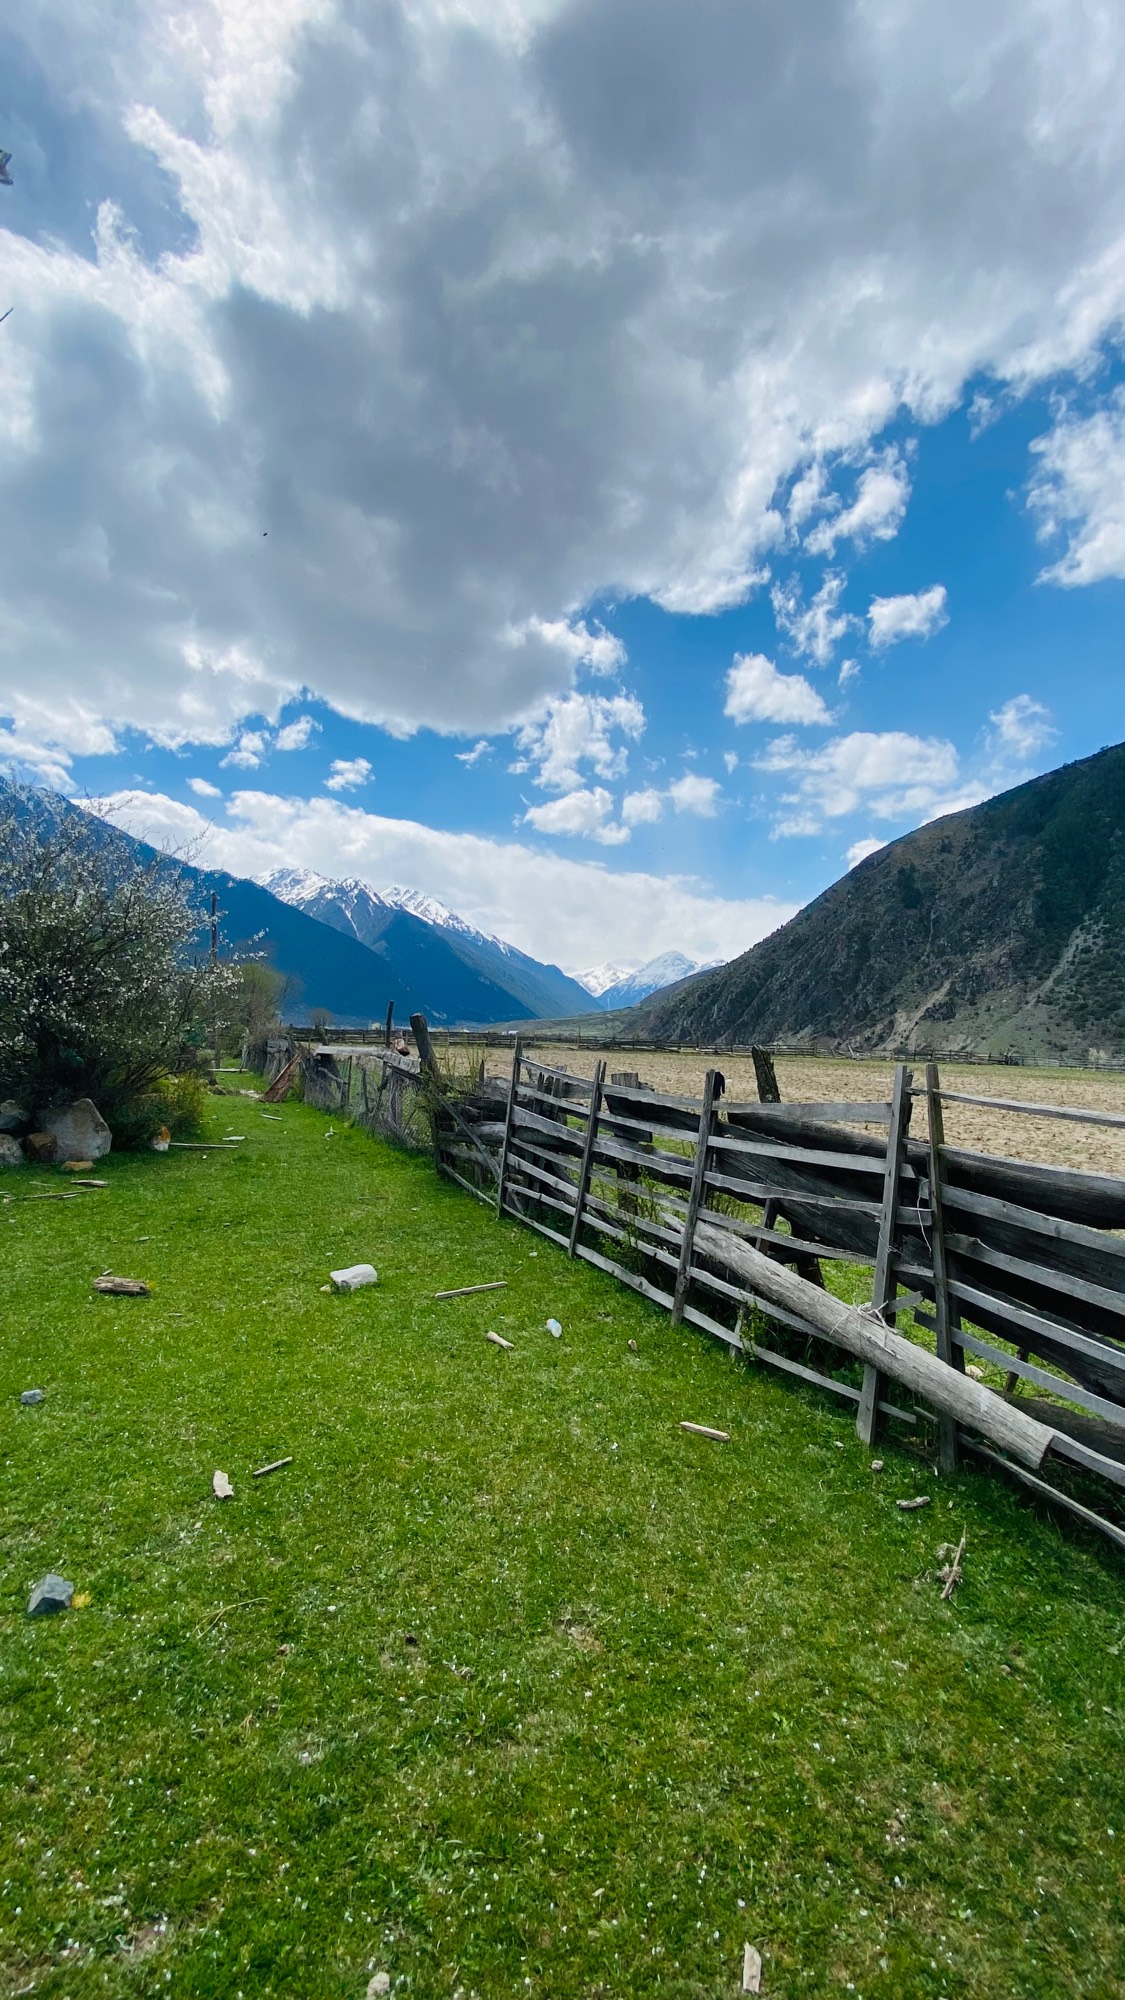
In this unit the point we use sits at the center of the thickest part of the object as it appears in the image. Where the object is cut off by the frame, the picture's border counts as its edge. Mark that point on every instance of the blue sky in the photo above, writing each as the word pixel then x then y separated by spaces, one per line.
pixel 607 467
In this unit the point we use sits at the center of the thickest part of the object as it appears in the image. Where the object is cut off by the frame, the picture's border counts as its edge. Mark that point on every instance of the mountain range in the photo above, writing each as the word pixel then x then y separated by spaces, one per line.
pixel 613 986
pixel 352 952
pixel 998 930
pixel 482 977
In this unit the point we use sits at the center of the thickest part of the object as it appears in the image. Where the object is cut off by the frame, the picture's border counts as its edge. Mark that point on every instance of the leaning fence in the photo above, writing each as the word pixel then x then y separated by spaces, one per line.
pixel 1010 1268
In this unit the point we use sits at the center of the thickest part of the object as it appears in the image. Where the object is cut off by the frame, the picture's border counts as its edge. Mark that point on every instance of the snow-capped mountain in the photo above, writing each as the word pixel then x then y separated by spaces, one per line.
pixel 665 970
pixel 432 912
pixel 599 978
pixel 471 976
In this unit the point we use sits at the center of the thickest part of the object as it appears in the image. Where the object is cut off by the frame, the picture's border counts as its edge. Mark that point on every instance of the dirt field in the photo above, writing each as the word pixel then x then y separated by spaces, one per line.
pixel 824 1079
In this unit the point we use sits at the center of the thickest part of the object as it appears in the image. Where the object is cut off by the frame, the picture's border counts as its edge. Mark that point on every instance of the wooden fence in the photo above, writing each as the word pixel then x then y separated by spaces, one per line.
pixel 1013 1269
pixel 1007 1264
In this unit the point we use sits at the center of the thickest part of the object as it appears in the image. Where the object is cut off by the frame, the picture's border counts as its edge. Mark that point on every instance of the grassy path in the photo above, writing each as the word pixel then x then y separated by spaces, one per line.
pixel 522 1690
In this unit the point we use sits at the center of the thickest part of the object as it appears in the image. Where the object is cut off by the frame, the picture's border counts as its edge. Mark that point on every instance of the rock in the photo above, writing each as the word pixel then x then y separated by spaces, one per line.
pixel 80 1131
pixel 78 1166
pixel 28 1397
pixel 354 1276
pixel 121 1288
pixel 11 1152
pixel 381 1983
pixel 51 1593
pixel 554 1329
pixel 221 1487
pixel 13 1115
pixel 41 1148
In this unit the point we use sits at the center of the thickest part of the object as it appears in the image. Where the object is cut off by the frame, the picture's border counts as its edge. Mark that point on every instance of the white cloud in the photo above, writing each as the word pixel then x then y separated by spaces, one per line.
pixel 348 773
pixel 25 755
pixel 816 628
pixel 1078 490
pixel 891 773
pixel 730 760
pixel 248 751
pixel 561 910
pixel 203 789
pixel 809 495
pixel 849 671
pixel 473 756
pixel 642 808
pixel 576 729
pixel 587 811
pixel 692 794
pixel 860 849
pixel 628 271
pixel 875 514
pixel 757 692
pixel 296 735
pixel 915 615
pixel 1023 726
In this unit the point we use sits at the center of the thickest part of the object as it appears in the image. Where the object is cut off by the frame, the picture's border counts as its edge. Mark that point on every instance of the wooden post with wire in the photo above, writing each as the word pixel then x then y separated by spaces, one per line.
pixel 946 1317
pixel 886 1279
pixel 713 1089
pixel 517 1062
pixel 583 1187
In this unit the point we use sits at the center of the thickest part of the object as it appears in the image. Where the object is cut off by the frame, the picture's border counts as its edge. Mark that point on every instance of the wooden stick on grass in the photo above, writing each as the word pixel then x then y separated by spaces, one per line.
pixel 275 1466
pixel 464 1291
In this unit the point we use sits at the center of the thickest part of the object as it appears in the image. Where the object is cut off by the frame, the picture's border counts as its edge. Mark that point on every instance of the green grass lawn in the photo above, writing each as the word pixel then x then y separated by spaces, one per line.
pixel 506 1685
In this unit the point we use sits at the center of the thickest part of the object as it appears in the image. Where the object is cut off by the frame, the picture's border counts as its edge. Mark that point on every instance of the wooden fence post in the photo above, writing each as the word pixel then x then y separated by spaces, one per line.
pixel 765 1076
pixel 886 1281
pixel 947 1320
pixel 587 1157
pixel 517 1059
pixel 712 1089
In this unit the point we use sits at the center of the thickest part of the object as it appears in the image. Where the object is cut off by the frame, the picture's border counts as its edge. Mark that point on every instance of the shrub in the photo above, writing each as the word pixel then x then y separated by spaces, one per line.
pixel 99 993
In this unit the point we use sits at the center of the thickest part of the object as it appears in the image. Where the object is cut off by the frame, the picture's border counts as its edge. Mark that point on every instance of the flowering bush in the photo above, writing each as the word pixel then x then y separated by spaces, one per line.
pixel 100 995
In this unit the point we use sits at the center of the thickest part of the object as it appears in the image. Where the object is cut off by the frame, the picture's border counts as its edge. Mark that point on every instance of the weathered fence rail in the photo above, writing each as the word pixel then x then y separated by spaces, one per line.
pixel 723 1213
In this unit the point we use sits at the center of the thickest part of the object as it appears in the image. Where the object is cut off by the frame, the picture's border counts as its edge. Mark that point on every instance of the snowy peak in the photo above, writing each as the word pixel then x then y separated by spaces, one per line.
pixel 418 904
pixel 663 971
pixel 599 978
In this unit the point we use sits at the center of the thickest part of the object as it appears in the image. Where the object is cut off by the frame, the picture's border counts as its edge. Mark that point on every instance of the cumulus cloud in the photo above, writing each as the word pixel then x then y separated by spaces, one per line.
pixel 1078 490
pixel 203 789
pixel 587 811
pixel 915 615
pixel 894 775
pixel 642 808
pixel 757 692
pixel 248 751
pixel 296 735
pixel 559 909
pixel 875 514
pixel 1023 726
pixel 348 773
pixel 860 849
pixel 693 794
pixel 407 332
pixel 815 628
pixel 473 756
pixel 578 729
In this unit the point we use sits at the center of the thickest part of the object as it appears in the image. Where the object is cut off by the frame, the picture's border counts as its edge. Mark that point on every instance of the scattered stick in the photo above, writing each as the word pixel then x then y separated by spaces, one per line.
pixel 225 1610
pixel 498 1340
pixel 951 1575
pixel 204 1145
pixel 912 1506
pixel 88 1183
pixel 274 1466
pixel 464 1291
pixel 706 1431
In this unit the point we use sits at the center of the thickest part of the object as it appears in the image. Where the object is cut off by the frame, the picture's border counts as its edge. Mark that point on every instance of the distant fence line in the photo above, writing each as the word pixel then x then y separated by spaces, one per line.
pixel 660 1190
pixel 586 1030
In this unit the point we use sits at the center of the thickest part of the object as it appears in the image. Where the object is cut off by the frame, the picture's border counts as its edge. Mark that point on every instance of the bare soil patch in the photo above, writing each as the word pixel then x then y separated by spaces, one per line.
pixel 824 1079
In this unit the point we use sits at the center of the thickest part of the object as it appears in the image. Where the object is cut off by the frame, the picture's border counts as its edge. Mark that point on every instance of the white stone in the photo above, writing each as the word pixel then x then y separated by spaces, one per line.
pixel 355 1275
pixel 79 1130
pixel 11 1152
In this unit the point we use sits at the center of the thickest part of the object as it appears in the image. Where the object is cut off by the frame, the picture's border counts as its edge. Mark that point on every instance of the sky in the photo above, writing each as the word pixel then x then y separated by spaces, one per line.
pixel 609 464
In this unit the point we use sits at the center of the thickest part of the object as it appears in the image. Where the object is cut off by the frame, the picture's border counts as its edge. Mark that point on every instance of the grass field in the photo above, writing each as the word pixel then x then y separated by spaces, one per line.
pixel 506 1685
